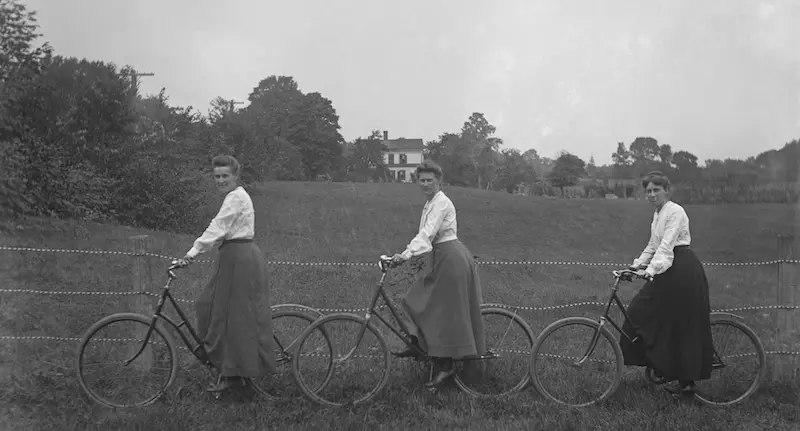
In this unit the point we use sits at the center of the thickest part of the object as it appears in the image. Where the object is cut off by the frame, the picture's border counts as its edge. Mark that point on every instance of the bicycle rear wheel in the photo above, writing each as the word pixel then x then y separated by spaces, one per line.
pixel 147 376
pixel 361 365
pixel 287 326
pixel 555 369
pixel 503 369
pixel 738 367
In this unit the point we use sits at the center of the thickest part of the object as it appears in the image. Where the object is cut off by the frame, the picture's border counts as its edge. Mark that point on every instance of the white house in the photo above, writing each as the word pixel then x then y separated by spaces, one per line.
pixel 402 157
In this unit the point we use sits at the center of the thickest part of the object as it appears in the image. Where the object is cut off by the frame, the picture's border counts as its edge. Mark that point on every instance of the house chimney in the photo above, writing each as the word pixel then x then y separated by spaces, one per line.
pixel 385 135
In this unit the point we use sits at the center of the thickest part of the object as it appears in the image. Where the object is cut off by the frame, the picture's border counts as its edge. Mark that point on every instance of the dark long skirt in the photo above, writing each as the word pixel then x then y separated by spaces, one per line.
pixel 444 307
pixel 234 318
pixel 673 317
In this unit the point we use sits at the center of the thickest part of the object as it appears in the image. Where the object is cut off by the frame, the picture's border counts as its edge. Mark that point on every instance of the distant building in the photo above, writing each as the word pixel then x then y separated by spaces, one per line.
pixel 402 157
pixel 624 188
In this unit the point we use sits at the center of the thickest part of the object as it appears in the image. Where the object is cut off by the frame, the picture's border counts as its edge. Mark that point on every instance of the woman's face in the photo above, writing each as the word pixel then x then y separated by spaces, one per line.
pixel 656 195
pixel 428 183
pixel 225 180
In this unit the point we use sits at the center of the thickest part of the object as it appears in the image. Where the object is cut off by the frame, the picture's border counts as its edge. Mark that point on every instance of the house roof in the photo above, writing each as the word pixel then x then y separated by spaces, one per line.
pixel 404 144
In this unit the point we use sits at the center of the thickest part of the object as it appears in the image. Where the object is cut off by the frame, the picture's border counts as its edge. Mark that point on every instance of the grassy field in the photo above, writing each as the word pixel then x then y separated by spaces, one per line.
pixel 356 223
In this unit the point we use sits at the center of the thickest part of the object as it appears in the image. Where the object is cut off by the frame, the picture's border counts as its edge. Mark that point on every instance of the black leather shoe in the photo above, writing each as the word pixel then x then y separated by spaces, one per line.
pixel 440 377
pixel 225 384
pixel 680 389
pixel 408 353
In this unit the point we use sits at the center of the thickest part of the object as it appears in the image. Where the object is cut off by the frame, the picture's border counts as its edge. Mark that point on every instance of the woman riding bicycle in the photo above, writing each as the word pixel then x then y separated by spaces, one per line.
pixel 233 311
pixel 672 310
pixel 443 309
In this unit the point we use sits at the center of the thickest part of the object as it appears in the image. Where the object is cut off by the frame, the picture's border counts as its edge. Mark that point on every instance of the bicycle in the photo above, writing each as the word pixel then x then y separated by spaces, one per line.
pixel 145 349
pixel 599 330
pixel 365 326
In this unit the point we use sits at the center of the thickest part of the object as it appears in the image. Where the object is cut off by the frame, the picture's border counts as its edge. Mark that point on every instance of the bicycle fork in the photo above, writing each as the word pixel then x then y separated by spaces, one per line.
pixel 150 330
pixel 359 337
pixel 592 344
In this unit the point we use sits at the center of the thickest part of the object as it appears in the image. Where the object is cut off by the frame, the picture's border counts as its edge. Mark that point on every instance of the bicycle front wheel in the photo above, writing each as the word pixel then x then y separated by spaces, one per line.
pixel 143 368
pixel 738 367
pixel 361 360
pixel 287 325
pixel 572 358
pixel 503 370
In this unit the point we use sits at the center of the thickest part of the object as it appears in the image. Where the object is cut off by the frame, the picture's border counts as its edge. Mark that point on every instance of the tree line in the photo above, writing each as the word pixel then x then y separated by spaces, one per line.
pixel 78 140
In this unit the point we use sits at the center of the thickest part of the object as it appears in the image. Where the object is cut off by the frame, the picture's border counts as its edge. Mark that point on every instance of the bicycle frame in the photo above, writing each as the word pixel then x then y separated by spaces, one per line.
pixel 403 333
pixel 378 292
pixel 615 299
pixel 606 318
pixel 199 351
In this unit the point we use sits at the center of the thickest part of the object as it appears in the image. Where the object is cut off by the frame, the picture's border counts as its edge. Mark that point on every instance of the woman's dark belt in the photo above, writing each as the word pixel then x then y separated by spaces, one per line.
pixel 236 240
pixel 680 247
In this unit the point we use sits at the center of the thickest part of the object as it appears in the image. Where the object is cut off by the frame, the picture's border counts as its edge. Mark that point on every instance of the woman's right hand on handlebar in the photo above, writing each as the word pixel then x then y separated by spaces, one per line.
pixel 183 262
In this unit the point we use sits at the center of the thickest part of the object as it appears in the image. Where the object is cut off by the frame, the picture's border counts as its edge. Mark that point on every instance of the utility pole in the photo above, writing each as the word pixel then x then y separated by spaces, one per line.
pixel 233 102
pixel 135 80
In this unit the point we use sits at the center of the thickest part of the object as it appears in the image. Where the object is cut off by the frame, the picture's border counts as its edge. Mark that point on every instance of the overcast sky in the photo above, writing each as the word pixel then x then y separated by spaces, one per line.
pixel 720 78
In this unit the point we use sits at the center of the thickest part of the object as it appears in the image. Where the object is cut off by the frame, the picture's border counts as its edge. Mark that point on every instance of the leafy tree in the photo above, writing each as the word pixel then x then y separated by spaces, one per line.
pixel 685 165
pixel 481 146
pixel 568 169
pixel 20 64
pixel 366 155
pixel 513 169
pixel 622 162
pixel 309 122
pixel 542 165
pixel 591 168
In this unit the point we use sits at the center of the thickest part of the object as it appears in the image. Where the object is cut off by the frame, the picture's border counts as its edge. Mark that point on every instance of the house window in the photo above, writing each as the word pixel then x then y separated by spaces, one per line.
pixel 403 159
pixel 401 176
pixel 391 159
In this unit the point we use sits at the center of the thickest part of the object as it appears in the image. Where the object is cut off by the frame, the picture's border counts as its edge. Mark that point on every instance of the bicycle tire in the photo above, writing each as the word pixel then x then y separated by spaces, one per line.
pixel 314 394
pixel 287 355
pixel 762 358
pixel 158 329
pixel 550 329
pixel 298 307
pixel 517 320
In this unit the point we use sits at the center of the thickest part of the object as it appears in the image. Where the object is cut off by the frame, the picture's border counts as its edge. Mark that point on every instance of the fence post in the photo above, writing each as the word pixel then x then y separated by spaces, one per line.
pixel 141 283
pixel 788 321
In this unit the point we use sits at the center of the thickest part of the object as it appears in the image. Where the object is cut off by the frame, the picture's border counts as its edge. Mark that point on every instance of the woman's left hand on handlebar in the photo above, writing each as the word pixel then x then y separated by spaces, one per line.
pixel 184 261
pixel 398 258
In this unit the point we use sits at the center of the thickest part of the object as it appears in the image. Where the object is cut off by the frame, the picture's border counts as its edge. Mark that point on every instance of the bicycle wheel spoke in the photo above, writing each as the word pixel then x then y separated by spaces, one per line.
pixel 104 374
pixel 739 363
pixel 287 326
pixel 556 369
pixel 508 342
pixel 360 363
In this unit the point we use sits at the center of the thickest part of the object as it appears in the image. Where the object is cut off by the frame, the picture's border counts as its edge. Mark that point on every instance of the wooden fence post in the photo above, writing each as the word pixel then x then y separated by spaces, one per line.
pixel 141 283
pixel 785 367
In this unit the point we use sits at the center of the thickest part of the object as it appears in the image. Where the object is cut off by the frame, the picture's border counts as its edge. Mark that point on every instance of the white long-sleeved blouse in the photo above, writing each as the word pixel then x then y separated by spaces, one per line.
pixel 235 220
pixel 437 225
pixel 670 228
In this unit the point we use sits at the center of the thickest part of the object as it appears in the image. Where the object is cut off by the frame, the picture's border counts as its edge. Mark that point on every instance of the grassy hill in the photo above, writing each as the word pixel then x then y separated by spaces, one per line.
pixel 335 222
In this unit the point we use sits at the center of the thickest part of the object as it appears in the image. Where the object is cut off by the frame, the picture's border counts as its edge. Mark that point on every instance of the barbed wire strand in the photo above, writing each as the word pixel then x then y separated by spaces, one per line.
pixel 345 310
pixel 75 339
pixel 293 263
pixel 337 310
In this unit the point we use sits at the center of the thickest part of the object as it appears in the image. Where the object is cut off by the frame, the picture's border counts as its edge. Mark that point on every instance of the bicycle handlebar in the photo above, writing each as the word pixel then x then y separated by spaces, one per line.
pixel 629 274
pixel 171 270
pixel 386 262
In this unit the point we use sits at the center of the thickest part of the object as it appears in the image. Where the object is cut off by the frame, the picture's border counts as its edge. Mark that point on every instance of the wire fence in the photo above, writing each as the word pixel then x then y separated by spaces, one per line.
pixel 367 264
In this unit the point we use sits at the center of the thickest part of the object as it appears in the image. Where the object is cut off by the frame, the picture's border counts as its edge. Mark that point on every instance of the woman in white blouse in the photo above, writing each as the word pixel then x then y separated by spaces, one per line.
pixel 443 309
pixel 233 311
pixel 672 310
